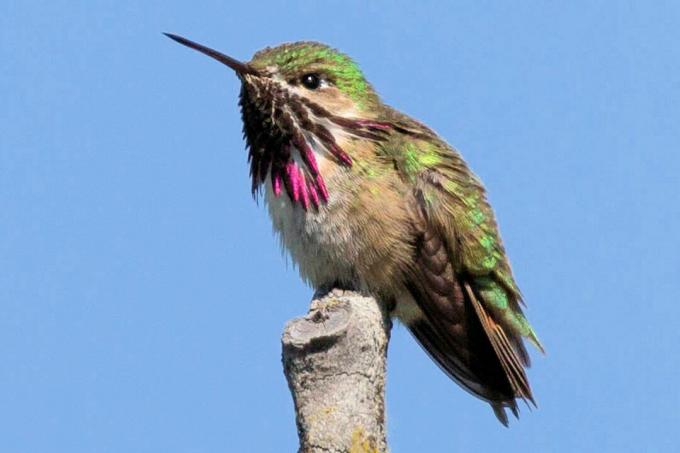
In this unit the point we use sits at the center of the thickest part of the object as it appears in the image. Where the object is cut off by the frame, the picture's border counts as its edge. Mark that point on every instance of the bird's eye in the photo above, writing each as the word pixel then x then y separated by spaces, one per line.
pixel 311 81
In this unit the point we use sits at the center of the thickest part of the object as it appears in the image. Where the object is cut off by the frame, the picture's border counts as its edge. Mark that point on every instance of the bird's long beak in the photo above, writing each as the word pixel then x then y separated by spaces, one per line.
pixel 239 67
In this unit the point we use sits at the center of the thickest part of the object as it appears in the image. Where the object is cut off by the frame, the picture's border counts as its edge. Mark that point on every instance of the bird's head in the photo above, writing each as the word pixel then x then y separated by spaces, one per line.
pixel 298 100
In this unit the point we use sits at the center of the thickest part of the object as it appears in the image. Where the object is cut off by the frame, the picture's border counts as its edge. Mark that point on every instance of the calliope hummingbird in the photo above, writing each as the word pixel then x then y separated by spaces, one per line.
pixel 365 197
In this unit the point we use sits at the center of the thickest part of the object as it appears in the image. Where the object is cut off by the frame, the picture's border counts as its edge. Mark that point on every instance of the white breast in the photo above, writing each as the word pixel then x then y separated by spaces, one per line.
pixel 319 241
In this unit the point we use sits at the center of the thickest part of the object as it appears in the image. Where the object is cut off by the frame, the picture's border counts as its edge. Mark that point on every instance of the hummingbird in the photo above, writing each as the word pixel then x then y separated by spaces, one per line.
pixel 364 197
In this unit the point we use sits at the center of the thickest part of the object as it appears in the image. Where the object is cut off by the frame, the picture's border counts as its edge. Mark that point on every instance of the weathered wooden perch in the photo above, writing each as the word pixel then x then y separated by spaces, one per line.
pixel 334 360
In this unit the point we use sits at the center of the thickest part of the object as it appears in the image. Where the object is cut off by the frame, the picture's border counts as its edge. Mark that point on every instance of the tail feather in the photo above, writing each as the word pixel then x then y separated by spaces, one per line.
pixel 501 415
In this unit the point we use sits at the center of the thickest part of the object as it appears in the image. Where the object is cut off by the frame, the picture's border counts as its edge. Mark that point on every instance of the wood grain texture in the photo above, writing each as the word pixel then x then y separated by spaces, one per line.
pixel 334 360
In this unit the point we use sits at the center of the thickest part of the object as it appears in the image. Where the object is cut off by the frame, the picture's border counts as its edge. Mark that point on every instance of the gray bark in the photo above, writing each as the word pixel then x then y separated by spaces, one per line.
pixel 334 361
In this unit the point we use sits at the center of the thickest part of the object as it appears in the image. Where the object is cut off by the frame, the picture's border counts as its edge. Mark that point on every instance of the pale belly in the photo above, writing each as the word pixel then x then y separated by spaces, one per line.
pixel 321 243
pixel 329 252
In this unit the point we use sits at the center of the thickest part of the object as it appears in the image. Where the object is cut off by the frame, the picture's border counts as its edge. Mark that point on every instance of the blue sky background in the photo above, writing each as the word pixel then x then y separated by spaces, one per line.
pixel 142 294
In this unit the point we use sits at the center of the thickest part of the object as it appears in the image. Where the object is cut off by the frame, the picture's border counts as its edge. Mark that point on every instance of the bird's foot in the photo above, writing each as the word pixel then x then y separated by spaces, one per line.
pixel 336 289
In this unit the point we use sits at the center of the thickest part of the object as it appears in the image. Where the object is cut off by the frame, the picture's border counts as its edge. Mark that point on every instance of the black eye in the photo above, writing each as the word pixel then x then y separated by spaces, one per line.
pixel 311 81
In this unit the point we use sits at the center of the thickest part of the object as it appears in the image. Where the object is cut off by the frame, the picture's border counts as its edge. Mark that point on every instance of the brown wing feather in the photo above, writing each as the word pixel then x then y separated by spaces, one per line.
pixel 452 332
